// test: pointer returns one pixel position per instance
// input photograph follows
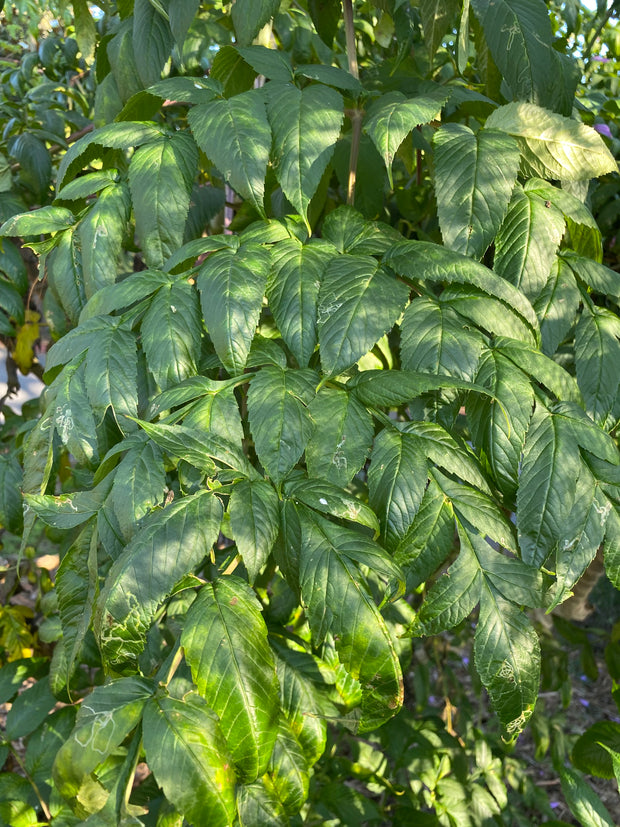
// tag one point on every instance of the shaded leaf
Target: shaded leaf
(254, 517)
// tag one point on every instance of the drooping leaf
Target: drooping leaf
(72, 415)
(104, 720)
(271, 63)
(232, 286)
(593, 750)
(293, 290)
(597, 356)
(437, 19)
(397, 480)
(300, 681)
(77, 586)
(288, 769)
(597, 276)
(65, 276)
(358, 302)
(187, 752)
(101, 233)
(527, 242)
(500, 434)
(556, 307)
(170, 544)
(330, 584)
(306, 125)
(138, 486)
(254, 517)
(583, 802)
(225, 643)
(541, 368)
(392, 117)
(547, 484)
(342, 436)
(249, 17)
(11, 515)
(507, 655)
(235, 135)
(67, 510)
(279, 419)
(554, 146)
(394, 388)
(474, 178)
(43, 220)
(161, 174)
(172, 333)
(611, 545)
(519, 37)
(152, 41)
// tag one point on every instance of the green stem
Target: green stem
(32, 782)
(176, 662)
(356, 115)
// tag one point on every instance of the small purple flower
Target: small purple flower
(603, 129)
(600, 59)
(554, 804)
(583, 702)
(465, 661)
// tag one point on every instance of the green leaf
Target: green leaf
(584, 803)
(186, 89)
(518, 34)
(474, 178)
(73, 417)
(552, 145)
(392, 117)
(396, 482)
(583, 534)
(327, 498)
(540, 367)
(337, 602)
(585, 432)
(592, 752)
(435, 339)
(77, 586)
(11, 516)
(288, 769)
(29, 709)
(43, 220)
(279, 417)
(114, 135)
(104, 720)
(254, 517)
(258, 806)
(437, 18)
(235, 135)
(611, 547)
(306, 125)
(198, 247)
(342, 436)
(101, 233)
(330, 76)
(172, 333)
(232, 286)
(67, 510)
(583, 229)
(556, 307)
(187, 752)
(500, 434)
(199, 449)
(527, 242)
(65, 276)
(138, 486)
(429, 539)
(597, 356)
(424, 260)
(300, 681)
(249, 17)
(170, 544)
(225, 643)
(358, 302)
(597, 276)
(489, 315)
(293, 290)
(161, 174)
(507, 654)
(547, 484)
(479, 509)
(326, 15)
(271, 63)
(387, 388)
(85, 29)
(182, 14)
(152, 41)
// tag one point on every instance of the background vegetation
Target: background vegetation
(328, 438)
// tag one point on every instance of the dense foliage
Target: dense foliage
(334, 299)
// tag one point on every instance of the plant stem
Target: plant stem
(37, 792)
(176, 662)
(356, 115)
